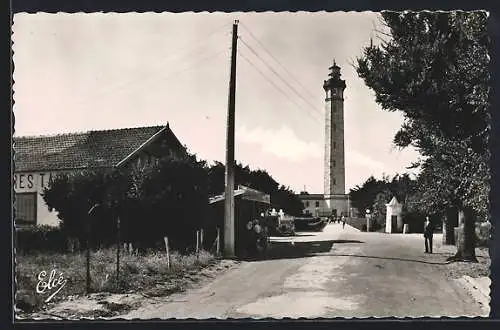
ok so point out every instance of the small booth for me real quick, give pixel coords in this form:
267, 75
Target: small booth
248, 205
394, 219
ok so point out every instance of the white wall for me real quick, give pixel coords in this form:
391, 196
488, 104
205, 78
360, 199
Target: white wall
26, 182
325, 205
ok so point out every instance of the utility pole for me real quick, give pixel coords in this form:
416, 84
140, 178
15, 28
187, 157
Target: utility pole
229, 250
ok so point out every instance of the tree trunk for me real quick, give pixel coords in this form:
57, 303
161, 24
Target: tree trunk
466, 247
449, 224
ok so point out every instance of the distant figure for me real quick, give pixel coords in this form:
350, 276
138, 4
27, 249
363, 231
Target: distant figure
281, 214
428, 235
343, 222
273, 212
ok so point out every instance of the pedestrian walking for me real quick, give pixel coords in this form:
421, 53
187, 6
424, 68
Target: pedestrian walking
343, 222
428, 235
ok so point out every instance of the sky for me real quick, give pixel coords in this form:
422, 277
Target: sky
81, 72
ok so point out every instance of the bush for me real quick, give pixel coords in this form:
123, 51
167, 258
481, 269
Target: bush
168, 198
41, 238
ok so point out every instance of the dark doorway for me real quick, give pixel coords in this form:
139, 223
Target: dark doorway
394, 223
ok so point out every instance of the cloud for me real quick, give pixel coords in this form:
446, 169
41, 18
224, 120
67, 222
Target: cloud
355, 158
282, 143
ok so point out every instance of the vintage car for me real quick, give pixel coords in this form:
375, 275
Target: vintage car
280, 225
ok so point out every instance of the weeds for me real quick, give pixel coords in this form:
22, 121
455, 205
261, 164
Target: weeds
138, 273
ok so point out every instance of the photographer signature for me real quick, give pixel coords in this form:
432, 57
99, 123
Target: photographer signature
50, 282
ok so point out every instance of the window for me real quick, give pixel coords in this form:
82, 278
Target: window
334, 145
334, 181
334, 163
25, 209
317, 203
307, 204
334, 127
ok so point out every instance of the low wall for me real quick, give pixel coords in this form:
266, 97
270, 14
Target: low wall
356, 222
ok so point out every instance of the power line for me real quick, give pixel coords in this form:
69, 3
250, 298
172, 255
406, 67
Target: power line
279, 76
187, 68
275, 86
204, 38
204, 59
179, 72
277, 61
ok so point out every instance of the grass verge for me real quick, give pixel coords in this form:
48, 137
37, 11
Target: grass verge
147, 274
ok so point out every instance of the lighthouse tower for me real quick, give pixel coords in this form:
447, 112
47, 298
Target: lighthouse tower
334, 179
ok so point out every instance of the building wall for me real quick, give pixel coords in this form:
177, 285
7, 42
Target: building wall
33, 183
339, 203
314, 205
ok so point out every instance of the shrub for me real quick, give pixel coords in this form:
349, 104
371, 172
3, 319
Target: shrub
41, 238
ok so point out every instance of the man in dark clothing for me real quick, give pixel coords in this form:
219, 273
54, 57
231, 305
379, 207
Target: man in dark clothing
428, 235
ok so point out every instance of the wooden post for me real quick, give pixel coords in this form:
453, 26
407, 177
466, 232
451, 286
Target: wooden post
218, 241
167, 249
201, 238
87, 255
89, 213
229, 175
118, 250
197, 241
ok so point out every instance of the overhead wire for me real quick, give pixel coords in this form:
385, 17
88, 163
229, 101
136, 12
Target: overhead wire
277, 61
190, 67
281, 78
204, 38
275, 85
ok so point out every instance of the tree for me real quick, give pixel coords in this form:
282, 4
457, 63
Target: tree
434, 69
362, 197
379, 206
281, 196
284, 198
72, 195
172, 200
165, 198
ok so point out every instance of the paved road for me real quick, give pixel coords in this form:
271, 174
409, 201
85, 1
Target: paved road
336, 273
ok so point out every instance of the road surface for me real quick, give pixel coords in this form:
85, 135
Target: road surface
335, 273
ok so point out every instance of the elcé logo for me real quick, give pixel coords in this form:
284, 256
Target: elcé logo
47, 284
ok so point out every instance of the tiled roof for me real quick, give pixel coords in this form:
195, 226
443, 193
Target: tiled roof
248, 194
79, 150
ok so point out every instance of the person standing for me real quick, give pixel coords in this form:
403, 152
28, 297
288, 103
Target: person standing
428, 235
343, 221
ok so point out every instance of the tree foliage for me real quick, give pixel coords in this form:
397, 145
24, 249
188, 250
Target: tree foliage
379, 205
164, 198
282, 197
434, 70
365, 196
